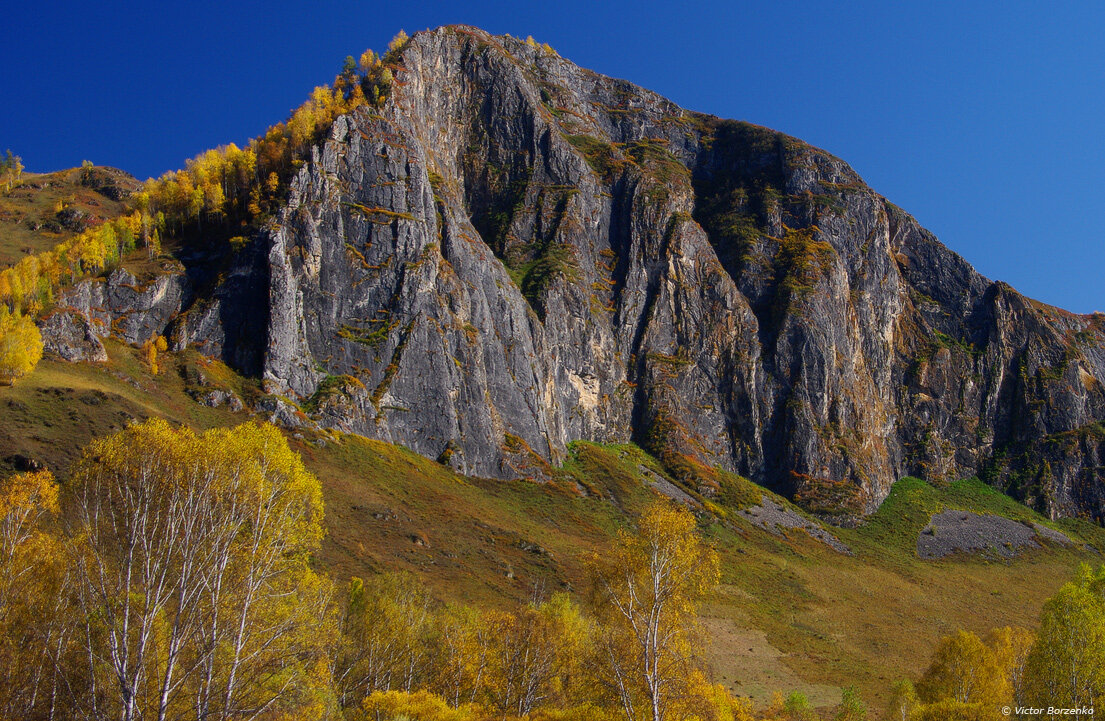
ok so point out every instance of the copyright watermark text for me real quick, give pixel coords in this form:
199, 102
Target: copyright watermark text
1049, 710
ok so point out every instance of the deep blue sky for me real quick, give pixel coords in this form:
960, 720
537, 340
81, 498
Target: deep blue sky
983, 119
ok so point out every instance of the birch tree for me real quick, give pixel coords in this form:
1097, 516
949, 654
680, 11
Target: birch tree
11, 171
463, 650
532, 655
1011, 646
388, 629
190, 573
1066, 666
30, 576
963, 670
646, 593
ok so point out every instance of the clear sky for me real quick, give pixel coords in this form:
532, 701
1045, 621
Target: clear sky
983, 119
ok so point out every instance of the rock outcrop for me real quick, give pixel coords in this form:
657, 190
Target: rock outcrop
70, 335
118, 305
515, 252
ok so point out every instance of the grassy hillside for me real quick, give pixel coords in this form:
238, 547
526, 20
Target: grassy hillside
48, 208
792, 614
875, 616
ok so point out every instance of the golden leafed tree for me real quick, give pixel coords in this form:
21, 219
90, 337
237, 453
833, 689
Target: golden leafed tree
1066, 666
30, 574
398, 42
386, 637
533, 656
24, 499
151, 348
11, 171
20, 345
463, 653
1011, 646
904, 703
190, 564
368, 61
646, 593
963, 670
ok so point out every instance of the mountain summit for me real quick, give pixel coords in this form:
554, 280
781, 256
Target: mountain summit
513, 253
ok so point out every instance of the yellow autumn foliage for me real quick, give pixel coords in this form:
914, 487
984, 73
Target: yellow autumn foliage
190, 555
648, 588
151, 348
31, 562
20, 345
224, 189
416, 706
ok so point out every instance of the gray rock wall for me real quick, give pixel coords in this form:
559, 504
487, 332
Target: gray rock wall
117, 305
515, 253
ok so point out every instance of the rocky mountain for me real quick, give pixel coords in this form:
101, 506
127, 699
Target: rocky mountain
515, 252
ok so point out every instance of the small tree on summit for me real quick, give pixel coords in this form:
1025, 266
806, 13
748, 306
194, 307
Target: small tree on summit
397, 43
368, 61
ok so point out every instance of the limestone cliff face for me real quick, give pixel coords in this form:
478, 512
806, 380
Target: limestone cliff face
120, 305
515, 253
